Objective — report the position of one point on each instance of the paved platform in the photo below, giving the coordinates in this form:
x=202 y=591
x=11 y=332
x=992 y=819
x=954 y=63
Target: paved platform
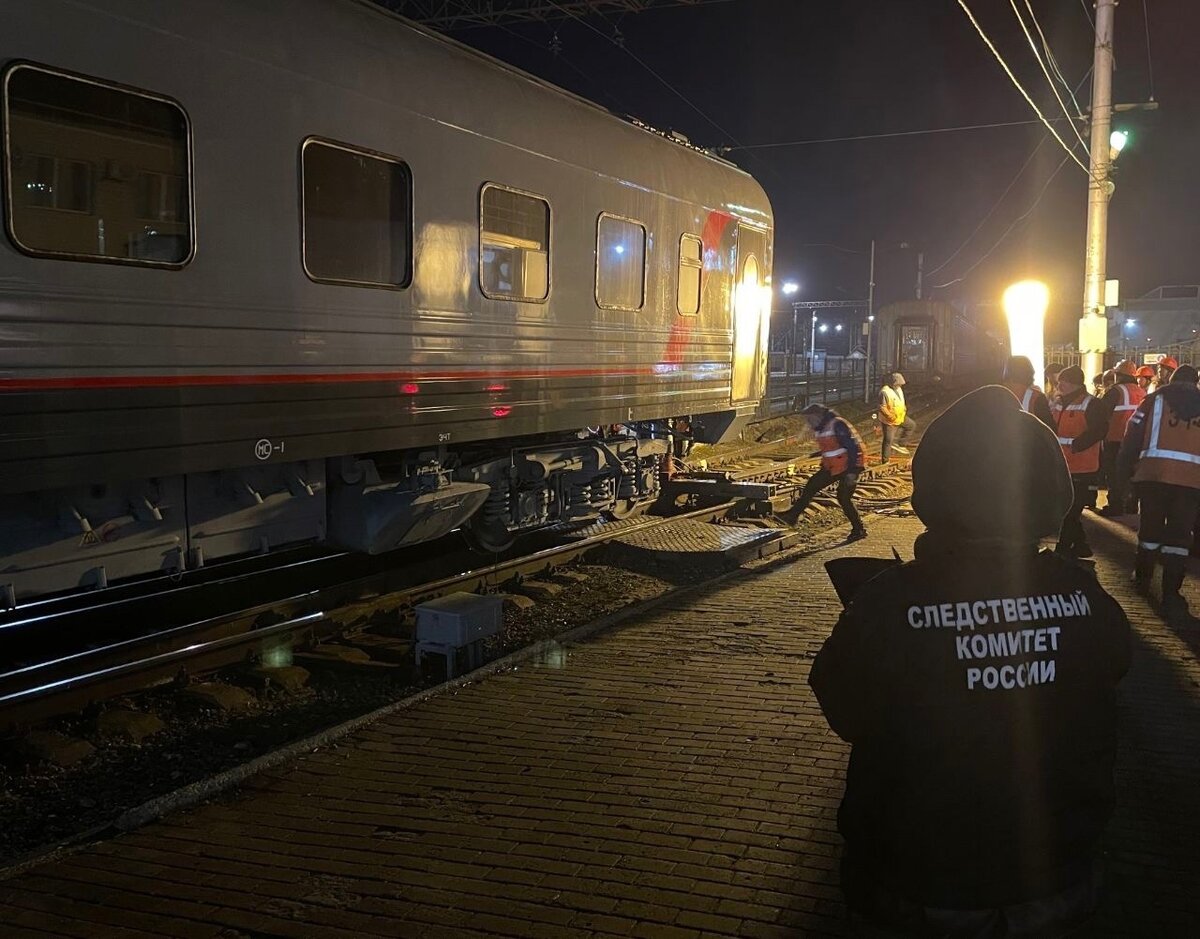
x=672 y=777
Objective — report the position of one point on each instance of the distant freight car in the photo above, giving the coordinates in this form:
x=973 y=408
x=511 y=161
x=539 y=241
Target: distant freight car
x=276 y=273
x=931 y=342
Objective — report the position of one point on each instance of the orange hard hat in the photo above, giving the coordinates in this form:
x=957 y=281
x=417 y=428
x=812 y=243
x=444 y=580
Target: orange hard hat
x=1168 y=361
x=1146 y=371
x=1124 y=367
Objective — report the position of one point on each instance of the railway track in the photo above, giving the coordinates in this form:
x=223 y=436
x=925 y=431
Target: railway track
x=127 y=659
x=47 y=687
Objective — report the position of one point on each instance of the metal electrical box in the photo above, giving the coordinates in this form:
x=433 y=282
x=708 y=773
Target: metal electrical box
x=459 y=619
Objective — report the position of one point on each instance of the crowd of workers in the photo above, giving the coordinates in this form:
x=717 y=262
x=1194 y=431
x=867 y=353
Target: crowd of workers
x=977 y=683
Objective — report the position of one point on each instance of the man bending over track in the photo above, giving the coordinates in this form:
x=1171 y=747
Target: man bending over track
x=843 y=457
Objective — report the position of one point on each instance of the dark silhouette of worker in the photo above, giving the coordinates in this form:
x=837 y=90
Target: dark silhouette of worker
x=1018 y=378
x=977 y=687
x=843 y=457
x=1081 y=426
x=1161 y=451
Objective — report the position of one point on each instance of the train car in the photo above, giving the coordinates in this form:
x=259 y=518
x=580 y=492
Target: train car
x=933 y=344
x=275 y=274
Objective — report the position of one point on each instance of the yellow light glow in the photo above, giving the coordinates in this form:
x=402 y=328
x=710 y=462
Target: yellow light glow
x=1025 y=306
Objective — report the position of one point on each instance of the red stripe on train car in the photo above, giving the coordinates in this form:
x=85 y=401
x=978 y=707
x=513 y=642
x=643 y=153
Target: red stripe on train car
x=405 y=378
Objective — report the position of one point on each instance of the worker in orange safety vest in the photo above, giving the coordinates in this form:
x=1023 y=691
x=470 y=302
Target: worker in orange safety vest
x=1018 y=378
x=1166 y=368
x=1118 y=405
x=1161 y=452
x=843 y=457
x=1145 y=375
x=1081 y=428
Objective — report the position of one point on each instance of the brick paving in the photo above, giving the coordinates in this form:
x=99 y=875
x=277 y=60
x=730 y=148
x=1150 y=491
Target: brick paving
x=672 y=777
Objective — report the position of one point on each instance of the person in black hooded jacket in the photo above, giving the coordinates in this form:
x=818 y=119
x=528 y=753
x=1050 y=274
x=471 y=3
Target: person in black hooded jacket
x=977 y=687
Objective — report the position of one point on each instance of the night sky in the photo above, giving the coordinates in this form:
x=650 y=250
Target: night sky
x=767 y=71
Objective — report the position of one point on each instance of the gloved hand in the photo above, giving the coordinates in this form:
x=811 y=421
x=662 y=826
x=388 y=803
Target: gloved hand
x=851 y=478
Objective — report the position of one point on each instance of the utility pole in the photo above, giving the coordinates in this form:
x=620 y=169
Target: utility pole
x=870 y=325
x=920 y=273
x=1093 y=326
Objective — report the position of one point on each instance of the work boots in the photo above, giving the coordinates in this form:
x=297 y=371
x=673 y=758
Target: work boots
x=1143 y=570
x=1174 y=606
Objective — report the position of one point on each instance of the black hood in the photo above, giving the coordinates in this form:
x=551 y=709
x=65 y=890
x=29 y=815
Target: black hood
x=986 y=469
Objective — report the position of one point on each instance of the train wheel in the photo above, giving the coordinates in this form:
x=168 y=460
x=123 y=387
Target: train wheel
x=488 y=539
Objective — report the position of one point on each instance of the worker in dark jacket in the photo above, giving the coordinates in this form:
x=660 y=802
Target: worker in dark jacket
x=1018 y=378
x=977 y=687
x=1117 y=407
x=1161 y=452
x=1081 y=427
x=843 y=457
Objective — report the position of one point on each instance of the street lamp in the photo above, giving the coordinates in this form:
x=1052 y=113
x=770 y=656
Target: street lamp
x=1128 y=324
x=1025 y=308
x=1116 y=143
x=790 y=287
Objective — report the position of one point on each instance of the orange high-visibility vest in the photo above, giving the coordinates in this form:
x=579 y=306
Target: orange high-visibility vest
x=1131 y=397
x=1072 y=421
x=834 y=457
x=1170 y=448
x=1023 y=393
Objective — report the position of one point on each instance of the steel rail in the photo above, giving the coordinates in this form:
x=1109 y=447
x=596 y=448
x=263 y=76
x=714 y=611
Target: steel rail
x=59 y=685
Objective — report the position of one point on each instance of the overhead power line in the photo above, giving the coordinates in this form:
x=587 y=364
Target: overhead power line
x=1052 y=60
x=662 y=81
x=1046 y=71
x=465 y=14
x=1013 y=78
x=925 y=131
x=992 y=211
x=1086 y=13
x=1149 y=57
x=1017 y=221
x=1009 y=188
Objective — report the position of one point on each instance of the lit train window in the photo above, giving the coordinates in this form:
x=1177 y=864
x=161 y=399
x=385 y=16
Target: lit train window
x=95 y=171
x=691 y=263
x=514 y=244
x=620 y=263
x=357 y=216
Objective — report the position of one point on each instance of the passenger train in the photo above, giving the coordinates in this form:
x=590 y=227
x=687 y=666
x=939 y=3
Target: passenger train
x=305 y=272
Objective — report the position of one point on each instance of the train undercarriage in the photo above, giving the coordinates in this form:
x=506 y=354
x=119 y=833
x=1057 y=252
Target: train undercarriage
x=85 y=538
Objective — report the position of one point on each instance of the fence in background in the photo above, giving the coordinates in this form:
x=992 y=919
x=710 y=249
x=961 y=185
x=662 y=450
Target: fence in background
x=796 y=381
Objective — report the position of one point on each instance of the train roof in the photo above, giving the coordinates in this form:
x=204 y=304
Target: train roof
x=306 y=48
x=460 y=47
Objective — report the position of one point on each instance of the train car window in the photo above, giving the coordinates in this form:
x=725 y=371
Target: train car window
x=620 y=263
x=514 y=245
x=691 y=263
x=357 y=216
x=95 y=171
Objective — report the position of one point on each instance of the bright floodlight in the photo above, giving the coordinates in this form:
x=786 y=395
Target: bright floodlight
x=1025 y=306
x=790 y=287
x=1117 y=140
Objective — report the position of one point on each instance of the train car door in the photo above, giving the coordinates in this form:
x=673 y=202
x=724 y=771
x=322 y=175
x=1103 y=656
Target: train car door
x=751 y=315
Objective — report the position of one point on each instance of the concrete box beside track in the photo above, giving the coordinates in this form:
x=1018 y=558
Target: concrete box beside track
x=459 y=619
